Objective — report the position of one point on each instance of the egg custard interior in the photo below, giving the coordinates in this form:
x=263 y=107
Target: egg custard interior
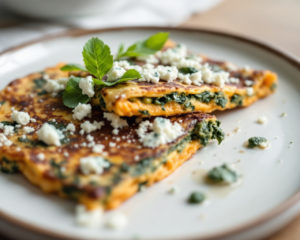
x=127 y=164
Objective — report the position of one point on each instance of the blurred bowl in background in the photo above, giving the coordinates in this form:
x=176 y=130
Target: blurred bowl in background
x=51 y=9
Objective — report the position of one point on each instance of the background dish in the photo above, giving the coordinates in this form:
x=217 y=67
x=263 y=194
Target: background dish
x=270 y=177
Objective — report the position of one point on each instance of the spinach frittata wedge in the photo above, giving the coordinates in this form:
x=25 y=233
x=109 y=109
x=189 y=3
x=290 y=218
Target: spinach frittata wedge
x=158 y=77
x=178 y=82
x=96 y=158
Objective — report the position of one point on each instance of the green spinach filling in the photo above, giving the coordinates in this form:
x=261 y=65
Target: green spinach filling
x=39 y=85
x=185 y=100
x=144 y=112
x=57 y=169
x=7 y=166
x=203 y=131
x=237 y=99
x=208 y=130
x=196 y=198
x=256 y=142
x=222 y=175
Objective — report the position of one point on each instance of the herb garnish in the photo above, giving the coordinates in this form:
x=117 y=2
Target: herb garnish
x=143 y=48
x=98 y=61
x=222 y=175
x=73 y=93
x=7 y=166
x=73 y=67
x=256 y=142
x=196 y=198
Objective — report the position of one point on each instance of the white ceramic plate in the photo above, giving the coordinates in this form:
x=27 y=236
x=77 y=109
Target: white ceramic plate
x=267 y=196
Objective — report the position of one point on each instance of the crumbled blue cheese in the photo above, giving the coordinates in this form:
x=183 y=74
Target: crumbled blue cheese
x=172 y=55
x=173 y=190
x=196 y=78
x=41 y=156
x=150 y=74
x=167 y=73
x=152 y=59
x=90 y=138
x=115 y=72
x=136 y=67
x=28 y=129
x=93 y=164
x=81 y=111
x=262 y=120
x=115 y=131
x=184 y=78
x=221 y=78
x=231 y=67
x=87 y=218
x=249 y=83
x=87 y=86
x=161 y=131
x=71 y=127
x=115 y=120
x=264 y=145
x=89 y=127
x=7 y=130
x=249 y=91
x=207 y=74
x=116 y=220
x=98 y=148
x=54 y=85
x=175 y=58
x=49 y=135
x=20 y=117
x=4 y=141
x=234 y=80
x=187 y=63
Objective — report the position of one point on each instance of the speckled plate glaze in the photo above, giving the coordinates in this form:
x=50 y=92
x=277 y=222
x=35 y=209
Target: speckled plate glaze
x=266 y=198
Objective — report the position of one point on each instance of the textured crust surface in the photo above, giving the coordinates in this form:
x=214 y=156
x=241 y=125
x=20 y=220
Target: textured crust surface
x=59 y=172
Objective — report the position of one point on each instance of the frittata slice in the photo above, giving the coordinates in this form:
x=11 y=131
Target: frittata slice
x=175 y=81
x=100 y=160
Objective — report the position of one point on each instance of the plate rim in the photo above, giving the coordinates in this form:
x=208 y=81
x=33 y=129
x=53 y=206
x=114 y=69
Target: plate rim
x=248 y=225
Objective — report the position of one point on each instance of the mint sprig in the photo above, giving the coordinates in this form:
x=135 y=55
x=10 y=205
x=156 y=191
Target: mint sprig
x=143 y=48
x=98 y=61
x=73 y=67
x=130 y=74
x=72 y=94
x=97 y=57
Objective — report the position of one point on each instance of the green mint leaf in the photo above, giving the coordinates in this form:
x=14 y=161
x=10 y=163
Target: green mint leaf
x=157 y=41
x=143 y=48
x=72 y=94
x=73 y=67
x=120 y=51
x=97 y=57
x=130 y=74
